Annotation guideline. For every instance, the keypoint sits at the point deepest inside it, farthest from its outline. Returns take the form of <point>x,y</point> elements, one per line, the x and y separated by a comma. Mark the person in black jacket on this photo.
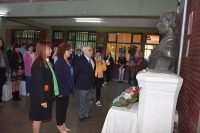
<point>85,81</point>
<point>64,74</point>
<point>109,64</point>
<point>121,65</point>
<point>42,92</point>
<point>4,68</point>
<point>76,57</point>
<point>17,70</point>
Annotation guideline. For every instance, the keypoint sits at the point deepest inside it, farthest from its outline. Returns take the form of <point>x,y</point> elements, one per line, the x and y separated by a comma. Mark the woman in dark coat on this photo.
<point>64,74</point>
<point>109,64</point>
<point>43,86</point>
<point>17,70</point>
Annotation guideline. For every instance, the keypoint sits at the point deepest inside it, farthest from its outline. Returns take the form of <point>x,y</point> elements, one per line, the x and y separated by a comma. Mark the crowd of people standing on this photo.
<point>52,76</point>
<point>83,72</point>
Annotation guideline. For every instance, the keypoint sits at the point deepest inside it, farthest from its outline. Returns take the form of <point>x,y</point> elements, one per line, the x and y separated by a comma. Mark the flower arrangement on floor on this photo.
<point>127,98</point>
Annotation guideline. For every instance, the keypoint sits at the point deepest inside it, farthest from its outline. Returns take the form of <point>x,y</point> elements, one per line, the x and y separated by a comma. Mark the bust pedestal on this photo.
<point>157,103</point>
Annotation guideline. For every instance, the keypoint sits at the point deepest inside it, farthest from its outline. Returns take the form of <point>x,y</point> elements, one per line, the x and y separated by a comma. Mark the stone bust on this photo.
<point>163,58</point>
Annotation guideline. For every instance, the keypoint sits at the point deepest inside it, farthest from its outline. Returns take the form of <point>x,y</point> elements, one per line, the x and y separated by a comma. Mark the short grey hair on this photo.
<point>86,48</point>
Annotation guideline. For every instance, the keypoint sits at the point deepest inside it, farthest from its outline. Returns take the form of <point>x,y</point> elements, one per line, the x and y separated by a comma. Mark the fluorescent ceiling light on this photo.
<point>3,13</point>
<point>88,20</point>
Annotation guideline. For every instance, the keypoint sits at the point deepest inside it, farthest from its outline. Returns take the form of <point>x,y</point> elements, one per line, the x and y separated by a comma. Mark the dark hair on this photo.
<point>40,51</point>
<point>30,45</point>
<point>78,50</point>
<point>2,47</point>
<point>16,46</point>
<point>109,53</point>
<point>62,48</point>
<point>98,51</point>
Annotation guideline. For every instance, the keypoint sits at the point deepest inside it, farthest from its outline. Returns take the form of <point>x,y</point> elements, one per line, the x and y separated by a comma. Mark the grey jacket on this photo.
<point>6,61</point>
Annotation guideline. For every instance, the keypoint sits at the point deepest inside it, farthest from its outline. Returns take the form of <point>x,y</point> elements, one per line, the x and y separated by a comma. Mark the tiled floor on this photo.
<point>14,115</point>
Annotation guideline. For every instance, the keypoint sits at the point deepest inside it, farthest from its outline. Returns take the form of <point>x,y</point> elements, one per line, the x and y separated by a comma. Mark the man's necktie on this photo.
<point>90,61</point>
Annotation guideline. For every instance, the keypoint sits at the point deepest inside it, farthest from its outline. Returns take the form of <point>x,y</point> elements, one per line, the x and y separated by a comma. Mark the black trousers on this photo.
<point>61,109</point>
<point>132,80</point>
<point>108,74</point>
<point>2,80</point>
<point>98,82</point>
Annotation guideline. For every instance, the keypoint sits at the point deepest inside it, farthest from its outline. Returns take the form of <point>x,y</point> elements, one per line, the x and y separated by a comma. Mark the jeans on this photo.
<point>28,84</point>
<point>121,73</point>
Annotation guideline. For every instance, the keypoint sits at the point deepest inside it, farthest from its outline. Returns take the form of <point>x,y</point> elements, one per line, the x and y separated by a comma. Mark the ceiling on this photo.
<point>111,22</point>
<point>12,23</point>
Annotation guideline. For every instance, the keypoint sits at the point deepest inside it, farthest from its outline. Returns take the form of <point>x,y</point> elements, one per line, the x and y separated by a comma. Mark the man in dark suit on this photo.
<point>76,57</point>
<point>85,80</point>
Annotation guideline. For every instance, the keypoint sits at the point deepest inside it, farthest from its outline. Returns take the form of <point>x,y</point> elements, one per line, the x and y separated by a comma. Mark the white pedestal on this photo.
<point>157,103</point>
<point>7,91</point>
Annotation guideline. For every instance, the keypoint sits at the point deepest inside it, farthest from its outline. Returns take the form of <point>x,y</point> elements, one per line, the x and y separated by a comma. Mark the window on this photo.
<point>153,39</point>
<point>120,43</point>
<point>80,39</point>
<point>137,38</point>
<point>112,37</point>
<point>124,37</point>
<point>58,35</point>
<point>111,48</point>
<point>25,36</point>
<point>148,50</point>
<point>151,42</point>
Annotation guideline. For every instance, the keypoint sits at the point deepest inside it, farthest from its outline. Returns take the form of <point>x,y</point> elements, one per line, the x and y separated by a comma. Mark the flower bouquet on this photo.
<point>127,98</point>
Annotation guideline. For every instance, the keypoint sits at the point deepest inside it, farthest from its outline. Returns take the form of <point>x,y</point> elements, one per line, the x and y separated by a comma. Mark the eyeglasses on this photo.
<point>90,50</point>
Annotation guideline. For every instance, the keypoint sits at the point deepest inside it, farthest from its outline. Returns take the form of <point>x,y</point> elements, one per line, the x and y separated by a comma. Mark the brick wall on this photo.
<point>189,97</point>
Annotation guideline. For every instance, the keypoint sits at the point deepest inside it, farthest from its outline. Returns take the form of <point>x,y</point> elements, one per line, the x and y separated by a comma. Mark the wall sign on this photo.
<point>190,21</point>
<point>188,49</point>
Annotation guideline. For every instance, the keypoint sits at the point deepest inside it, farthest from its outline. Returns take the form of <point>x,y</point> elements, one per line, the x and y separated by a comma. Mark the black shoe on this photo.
<point>17,96</point>
<point>14,96</point>
<point>88,117</point>
<point>18,99</point>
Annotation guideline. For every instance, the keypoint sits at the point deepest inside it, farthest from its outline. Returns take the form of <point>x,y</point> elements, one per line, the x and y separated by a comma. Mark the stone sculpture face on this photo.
<point>168,23</point>
<point>163,27</point>
<point>164,56</point>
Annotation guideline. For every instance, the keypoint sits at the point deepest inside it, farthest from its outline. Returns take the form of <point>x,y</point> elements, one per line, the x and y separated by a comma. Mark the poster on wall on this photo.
<point>190,21</point>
